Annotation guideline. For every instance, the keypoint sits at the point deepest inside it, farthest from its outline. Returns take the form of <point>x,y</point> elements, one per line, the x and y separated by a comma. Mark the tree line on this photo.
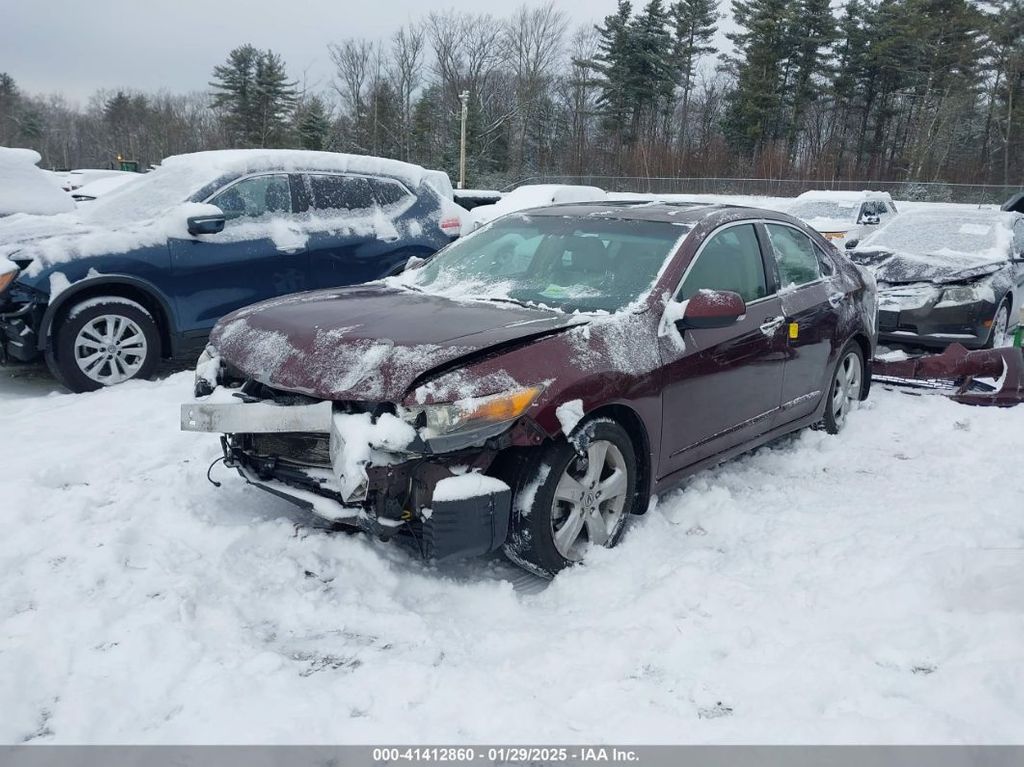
<point>884,90</point>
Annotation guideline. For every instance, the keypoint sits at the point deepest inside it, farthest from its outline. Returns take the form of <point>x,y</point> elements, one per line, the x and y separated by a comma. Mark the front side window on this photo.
<point>562,262</point>
<point>729,260</point>
<point>255,197</point>
<point>795,255</point>
<point>1018,237</point>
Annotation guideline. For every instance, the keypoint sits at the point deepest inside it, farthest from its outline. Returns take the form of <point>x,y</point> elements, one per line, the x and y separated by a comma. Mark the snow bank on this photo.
<point>823,590</point>
<point>24,188</point>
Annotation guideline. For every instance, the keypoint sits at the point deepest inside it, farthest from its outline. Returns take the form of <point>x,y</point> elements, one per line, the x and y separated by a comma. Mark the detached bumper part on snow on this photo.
<point>960,368</point>
<point>427,500</point>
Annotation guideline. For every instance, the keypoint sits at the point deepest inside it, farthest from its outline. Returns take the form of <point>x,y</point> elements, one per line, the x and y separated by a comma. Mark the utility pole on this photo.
<point>464,98</point>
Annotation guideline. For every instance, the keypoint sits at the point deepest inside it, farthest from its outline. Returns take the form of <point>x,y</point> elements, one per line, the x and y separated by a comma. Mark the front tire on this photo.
<point>846,389</point>
<point>999,335</point>
<point>102,342</point>
<point>569,499</point>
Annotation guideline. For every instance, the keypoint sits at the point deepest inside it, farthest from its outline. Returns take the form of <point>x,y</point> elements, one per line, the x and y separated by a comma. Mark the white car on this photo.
<point>101,186</point>
<point>25,188</point>
<point>535,196</point>
<point>842,216</point>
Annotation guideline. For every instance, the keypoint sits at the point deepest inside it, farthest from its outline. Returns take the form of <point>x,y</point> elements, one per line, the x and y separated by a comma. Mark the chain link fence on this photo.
<point>917,191</point>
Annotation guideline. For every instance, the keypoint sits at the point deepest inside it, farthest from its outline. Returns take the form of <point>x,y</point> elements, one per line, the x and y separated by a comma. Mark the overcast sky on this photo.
<point>77,46</point>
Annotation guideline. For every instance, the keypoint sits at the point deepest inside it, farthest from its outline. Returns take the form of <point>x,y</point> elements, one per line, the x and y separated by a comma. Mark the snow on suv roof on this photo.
<point>834,196</point>
<point>244,160</point>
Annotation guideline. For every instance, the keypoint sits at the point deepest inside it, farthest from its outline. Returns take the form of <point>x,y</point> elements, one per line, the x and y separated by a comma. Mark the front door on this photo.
<point>260,254</point>
<point>723,384</point>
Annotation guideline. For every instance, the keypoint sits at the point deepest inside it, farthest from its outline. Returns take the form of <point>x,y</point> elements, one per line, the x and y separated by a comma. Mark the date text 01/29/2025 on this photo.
<point>504,754</point>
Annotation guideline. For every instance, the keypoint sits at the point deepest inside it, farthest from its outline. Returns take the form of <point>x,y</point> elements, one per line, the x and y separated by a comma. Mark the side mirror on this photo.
<point>851,244</point>
<point>712,309</point>
<point>208,224</point>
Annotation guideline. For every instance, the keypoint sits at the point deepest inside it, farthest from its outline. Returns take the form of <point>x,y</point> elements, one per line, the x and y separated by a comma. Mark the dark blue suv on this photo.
<point>147,271</point>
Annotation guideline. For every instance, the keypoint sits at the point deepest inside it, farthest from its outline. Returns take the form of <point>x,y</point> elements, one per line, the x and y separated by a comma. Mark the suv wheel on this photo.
<point>103,342</point>
<point>568,498</point>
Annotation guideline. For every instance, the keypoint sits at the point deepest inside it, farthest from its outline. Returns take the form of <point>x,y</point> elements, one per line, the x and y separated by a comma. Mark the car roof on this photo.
<point>669,212</point>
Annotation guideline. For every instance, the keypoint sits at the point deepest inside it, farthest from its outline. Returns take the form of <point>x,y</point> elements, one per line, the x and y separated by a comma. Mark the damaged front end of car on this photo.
<point>417,474</point>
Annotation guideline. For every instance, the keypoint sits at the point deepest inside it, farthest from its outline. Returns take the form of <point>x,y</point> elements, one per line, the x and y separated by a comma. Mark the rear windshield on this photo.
<point>567,263</point>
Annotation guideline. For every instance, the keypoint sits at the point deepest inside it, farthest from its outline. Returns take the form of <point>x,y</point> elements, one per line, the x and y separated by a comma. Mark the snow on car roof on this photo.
<point>837,196</point>
<point>979,234</point>
<point>245,160</point>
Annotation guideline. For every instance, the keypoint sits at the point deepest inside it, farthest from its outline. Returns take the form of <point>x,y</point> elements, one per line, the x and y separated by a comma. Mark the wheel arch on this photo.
<point>122,286</point>
<point>631,421</point>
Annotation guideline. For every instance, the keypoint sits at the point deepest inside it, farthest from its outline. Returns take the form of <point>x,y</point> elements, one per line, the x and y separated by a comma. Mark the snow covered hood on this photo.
<point>938,247</point>
<point>370,342</point>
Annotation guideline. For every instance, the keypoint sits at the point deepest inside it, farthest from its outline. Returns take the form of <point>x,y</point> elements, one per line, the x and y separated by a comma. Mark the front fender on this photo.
<point>90,285</point>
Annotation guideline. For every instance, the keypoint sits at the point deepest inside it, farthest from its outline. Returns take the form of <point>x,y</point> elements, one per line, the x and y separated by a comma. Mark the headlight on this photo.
<point>477,412</point>
<point>208,369</point>
<point>7,277</point>
<point>964,294</point>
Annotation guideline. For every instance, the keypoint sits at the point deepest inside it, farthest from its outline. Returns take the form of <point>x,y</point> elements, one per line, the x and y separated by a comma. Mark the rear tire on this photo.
<point>846,388</point>
<point>103,342</point>
<point>565,502</point>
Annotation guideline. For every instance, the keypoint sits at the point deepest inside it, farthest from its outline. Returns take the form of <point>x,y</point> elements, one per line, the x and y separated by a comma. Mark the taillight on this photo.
<point>452,226</point>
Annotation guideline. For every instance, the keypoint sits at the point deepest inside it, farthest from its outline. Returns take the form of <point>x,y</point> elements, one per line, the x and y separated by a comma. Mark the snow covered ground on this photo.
<point>865,588</point>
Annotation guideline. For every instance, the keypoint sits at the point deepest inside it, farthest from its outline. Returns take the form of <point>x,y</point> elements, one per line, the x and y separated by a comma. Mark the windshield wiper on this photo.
<point>501,300</point>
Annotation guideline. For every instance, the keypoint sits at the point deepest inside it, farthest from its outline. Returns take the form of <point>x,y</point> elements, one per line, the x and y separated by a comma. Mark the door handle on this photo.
<point>290,250</point>
<point>770,325</point>
<point>835,299</point>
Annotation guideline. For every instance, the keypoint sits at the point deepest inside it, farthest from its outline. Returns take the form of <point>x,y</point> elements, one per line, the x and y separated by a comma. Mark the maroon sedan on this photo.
<point>533,384</point>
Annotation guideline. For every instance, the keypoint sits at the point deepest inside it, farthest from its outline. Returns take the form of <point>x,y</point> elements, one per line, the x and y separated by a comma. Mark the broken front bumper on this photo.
<point>292,452</point>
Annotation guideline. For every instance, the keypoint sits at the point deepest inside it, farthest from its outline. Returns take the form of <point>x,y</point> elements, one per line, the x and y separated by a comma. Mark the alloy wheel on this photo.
<point>847,387</point>
<point>590,500</point>
<point>1001,327</point>
<point>110,348</point>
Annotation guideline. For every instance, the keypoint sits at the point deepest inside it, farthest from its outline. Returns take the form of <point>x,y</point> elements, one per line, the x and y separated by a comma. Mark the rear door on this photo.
<point>260,254</point>
<point>354,235</point>
<point>723,389</point>
<point>811,304</point>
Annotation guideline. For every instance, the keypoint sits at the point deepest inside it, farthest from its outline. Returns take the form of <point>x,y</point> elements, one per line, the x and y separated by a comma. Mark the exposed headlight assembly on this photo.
<point>962,294</point>
<point>208,370</point>
<point>477,412</point>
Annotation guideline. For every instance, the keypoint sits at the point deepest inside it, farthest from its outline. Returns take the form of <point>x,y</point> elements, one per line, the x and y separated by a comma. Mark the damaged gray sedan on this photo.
<point>947,276</point>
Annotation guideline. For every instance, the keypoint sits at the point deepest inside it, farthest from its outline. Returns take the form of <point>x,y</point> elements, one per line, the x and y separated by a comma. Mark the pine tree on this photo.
<point>614,66</point>
<point>314,125</point>
<point>754,104</point>
<point>253,93</point>
<point>695,23</point>
<point>811,30</point>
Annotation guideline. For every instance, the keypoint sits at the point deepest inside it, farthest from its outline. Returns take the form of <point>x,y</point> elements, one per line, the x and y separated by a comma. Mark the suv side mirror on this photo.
<point>208,224</point>
<point>851,244</point>
<point>712,309</point>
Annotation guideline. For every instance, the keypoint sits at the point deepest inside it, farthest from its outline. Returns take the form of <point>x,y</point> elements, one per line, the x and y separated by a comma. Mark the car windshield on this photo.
<point>149,196</point>
<point>973,234</point>
<point>567,263</point>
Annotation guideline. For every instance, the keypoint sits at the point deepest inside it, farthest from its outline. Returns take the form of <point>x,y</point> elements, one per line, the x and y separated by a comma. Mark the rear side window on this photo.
<point>795,255</point>
<point>387,192</point>
<point>334,193</point>
<point>729,260</point>
<point>255,197</point>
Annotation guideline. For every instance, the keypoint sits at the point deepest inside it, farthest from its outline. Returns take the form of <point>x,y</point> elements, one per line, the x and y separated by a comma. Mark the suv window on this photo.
<point>255,197</point>
<point>729,260</point>
<point>387,192</point>
<point>873,208</point>
<point>795,255</point>
<point>334,192</point>
<point>1018,237</point>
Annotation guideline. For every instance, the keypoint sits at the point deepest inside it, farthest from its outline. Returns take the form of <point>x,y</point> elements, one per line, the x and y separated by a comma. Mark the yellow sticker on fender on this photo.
<point>794,330</point>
